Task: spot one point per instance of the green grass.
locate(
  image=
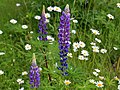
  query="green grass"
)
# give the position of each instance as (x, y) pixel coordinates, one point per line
(91, 15)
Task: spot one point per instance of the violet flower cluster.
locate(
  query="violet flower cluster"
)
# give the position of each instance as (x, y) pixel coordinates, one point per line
(64, 38)
(34, 74)
(42, 26)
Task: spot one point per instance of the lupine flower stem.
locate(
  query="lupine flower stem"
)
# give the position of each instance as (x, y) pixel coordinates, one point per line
(43, 35)
(64, 38)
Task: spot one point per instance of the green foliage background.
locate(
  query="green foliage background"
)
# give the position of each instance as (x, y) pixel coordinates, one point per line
(89, 15)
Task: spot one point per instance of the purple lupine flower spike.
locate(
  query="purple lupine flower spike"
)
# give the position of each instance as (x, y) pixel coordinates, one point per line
(34, 74)
(42, 26)
(64, 38)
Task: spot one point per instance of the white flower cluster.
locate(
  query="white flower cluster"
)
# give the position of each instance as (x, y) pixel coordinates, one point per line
(55, 8)
(97, 83)
(1, 72)
(27, 47)
(118, 5)
(20, 81)
(1, 32)
(110, 16)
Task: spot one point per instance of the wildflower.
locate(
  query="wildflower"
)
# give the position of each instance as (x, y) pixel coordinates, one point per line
(47, 21)
(2, 53)
(73, 31)
(43, 26)
(118, 87)
(51, 39)
(84, 53)
(34, 74)
(21, 88)
(47, 15)
(92, 43)
(20, 81)
(17, 4)
(97, 70)
(13, 21)
(1, 72)
(75, 50)
(67, 82)
(92, 81)
(116, 78)
(50, 8)
(95, 49)
(31, 32)
(85, 58)
(95, 32)
(99, 84)
(24, 26)
(27, 47)
(81, 57)
(110, 16)
(69, 55)
(115, 48)
(95, 73)
(64, 38)
(57, 9)
(101, 77)
(75, 21)
(37, 17)
(119, 81)
(103, 51)
(71, 18)
(118, 5)
(98, 40)
(24, 73)
(81, 44)
(76, 45)
(40, 69)
(1, 32)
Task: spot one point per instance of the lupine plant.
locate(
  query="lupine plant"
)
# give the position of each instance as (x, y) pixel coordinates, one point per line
(34, 74)
(64, 38)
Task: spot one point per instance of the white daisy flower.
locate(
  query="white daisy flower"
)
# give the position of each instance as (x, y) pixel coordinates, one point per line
(51, 39)
(21, 88)
(37, 17)
(1, 32)
(67, 82)
(110, 16)
(69, 55)
(57, 9)
(47, 15)
(98, 40)
(99, 84)
(47, 21)
(97, 70)
(95, 49)
(20, 81)
(118, 5)
(92, 43)
(18, 4)
(118, 87)
(81, 44)
(92, 81)
(84, 53)
(95, 73)
(27, 47)
(13, 21)
(115, 48)
(103, 51)
(24, 26)
(75, 50)
(75, 21)
(1, 72)
(40, 69)
(101, 77)
(73, 31)
(95, 32)
(2, 53)
(24, 73)
(76, 45)
(81, 57)
(31, 32)
(50, 8)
